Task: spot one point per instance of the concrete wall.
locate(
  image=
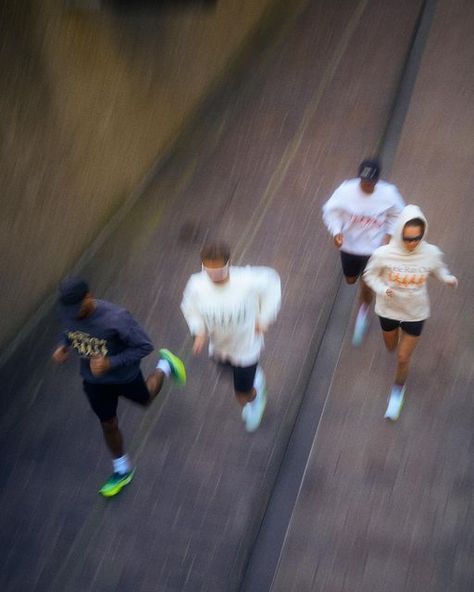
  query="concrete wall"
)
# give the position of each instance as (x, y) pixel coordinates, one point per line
(88, 100)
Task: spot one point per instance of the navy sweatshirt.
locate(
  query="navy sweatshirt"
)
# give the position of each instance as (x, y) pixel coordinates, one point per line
(109, 331)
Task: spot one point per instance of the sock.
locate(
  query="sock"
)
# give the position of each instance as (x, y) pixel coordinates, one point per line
(122, 464)
(164, 366)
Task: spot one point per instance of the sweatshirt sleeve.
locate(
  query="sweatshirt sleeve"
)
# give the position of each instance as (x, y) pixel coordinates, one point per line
(440, 270)
(333, 215)
(190, 311)
(394, 211)
(137, 343)
(269, 294)
(373, 273)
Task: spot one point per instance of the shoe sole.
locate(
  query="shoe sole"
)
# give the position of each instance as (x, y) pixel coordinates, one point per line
(118, 488)
(178, 369)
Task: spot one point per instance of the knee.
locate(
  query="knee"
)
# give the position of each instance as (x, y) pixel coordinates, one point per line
(403, 359)
(110, 426)
(350, 279)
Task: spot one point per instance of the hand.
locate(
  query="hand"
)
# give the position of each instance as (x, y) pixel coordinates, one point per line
(452, 281)
(389, 292)
(386, 239)
(99, 365)
(259, 329)
(338, 239)
(199, 343)
(60, 354)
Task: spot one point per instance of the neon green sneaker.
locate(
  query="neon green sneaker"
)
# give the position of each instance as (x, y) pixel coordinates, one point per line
(115, 483)
(178, 370)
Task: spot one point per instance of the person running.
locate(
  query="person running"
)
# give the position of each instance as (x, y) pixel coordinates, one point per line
(231, 308)
(111, 345)
(360, 216)
(397, 273)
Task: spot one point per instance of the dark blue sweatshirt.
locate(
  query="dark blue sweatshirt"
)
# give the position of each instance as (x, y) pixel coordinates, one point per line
(109, 331)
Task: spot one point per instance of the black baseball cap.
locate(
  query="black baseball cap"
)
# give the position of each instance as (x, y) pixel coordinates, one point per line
(369, 169)
(72, 291)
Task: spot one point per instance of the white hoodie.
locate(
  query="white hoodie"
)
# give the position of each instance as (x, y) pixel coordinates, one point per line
(228, 313)
(363, 218)
(405, 273)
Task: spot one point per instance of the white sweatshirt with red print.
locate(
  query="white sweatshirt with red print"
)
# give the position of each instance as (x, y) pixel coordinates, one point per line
(405, 273)
(363, 218)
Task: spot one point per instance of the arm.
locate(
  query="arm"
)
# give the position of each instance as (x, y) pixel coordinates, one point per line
(442, 272)
(193, 318)
(138, 344)
(61, 353)
(269, 293)
(333, 216)
(393, 213)
(373, 275)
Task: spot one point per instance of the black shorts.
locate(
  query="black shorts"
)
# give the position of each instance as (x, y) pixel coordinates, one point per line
(413, 328)
(244, 377)
(103, 398)
(353, 265)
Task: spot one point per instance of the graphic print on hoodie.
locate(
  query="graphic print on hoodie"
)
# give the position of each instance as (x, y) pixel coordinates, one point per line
(364, 219)
(109, 331)
(405, 273)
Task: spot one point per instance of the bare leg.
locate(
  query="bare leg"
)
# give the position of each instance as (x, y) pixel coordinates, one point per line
(113, 437)
(154, 382)
(391, 339)
(405, 349)
(365, 293)
(244, 398)
(361, 322)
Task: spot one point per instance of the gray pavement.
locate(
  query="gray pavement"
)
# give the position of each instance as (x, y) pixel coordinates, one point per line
(380, 507)
(389, 507)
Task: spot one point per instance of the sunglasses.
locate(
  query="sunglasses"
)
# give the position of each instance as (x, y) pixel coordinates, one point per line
(412, 239)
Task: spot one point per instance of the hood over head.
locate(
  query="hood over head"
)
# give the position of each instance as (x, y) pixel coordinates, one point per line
(409, 212)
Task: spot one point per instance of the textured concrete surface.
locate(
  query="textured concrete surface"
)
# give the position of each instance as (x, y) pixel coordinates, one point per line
(88, 102)
(381, 507)
(389, 507)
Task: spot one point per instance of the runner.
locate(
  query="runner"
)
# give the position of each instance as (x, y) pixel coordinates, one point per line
(111, 345)
(360, 215)
(397, 273)
(232, 307)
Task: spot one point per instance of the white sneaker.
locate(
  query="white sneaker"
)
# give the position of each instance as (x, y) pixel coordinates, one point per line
(259, 386)
(259, 382)
(361, 324)
(254, 409)
(395, 403)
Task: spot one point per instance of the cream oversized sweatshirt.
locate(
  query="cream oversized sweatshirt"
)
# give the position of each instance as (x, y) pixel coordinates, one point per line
(363, 218)
(228, 313)
(405, 273)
